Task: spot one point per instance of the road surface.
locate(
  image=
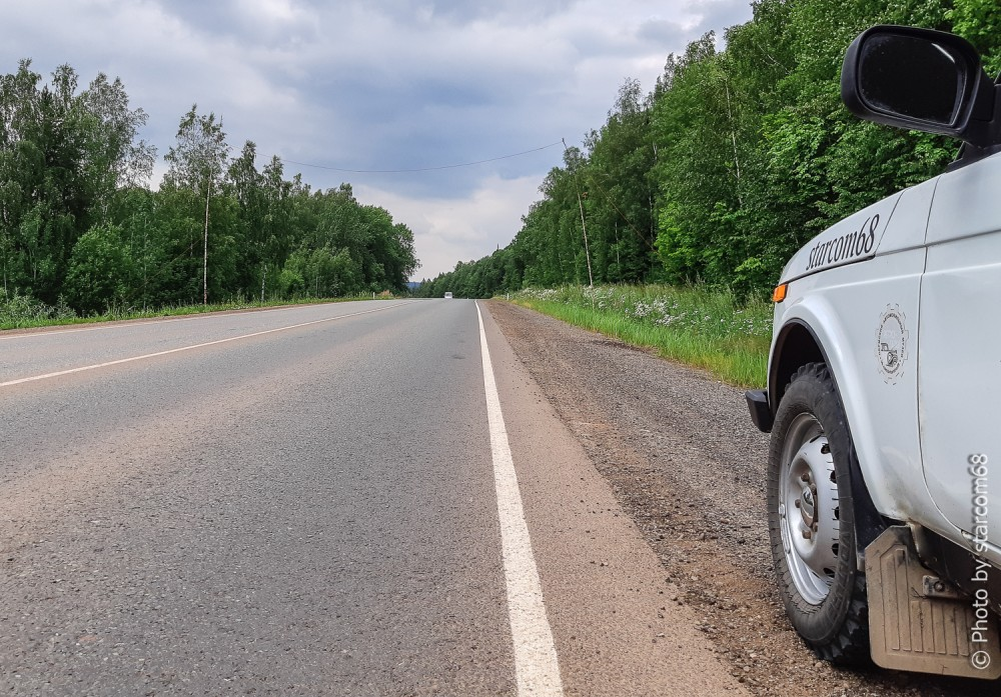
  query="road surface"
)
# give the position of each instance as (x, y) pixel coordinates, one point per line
(319, 501)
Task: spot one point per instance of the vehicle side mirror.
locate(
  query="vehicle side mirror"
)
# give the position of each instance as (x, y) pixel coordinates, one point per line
(922, 80)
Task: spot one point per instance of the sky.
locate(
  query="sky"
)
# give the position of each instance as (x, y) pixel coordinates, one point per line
(343, 91)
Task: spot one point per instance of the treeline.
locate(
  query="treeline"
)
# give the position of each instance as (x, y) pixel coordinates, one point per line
(733, 161)
(81, 229)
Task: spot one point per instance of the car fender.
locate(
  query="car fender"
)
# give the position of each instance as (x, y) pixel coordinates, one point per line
(892, 475)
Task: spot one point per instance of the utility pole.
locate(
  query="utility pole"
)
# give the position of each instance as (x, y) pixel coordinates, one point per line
(583, 225)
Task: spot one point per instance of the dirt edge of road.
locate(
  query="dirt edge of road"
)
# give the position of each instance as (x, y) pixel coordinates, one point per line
(615, 623)
(685, 463)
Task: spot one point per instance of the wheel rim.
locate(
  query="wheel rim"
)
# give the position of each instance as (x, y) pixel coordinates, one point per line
(808, 509)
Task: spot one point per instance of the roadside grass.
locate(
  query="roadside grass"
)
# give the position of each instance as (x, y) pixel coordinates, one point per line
(709, 329)
(24, 312)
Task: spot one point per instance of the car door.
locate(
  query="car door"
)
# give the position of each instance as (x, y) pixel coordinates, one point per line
(959, 373)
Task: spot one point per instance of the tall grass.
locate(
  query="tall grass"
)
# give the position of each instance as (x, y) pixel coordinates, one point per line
(709, 329)
(18, 310)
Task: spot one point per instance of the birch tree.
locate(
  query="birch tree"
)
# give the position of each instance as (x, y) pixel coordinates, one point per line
(197, 162)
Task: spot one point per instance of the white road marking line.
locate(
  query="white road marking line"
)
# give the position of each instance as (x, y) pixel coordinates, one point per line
(536, 664)
(70, 371)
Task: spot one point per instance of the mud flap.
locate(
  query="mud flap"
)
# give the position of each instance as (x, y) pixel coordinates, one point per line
(919, 623)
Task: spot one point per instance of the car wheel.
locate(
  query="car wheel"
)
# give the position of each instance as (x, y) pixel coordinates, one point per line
(811, 519)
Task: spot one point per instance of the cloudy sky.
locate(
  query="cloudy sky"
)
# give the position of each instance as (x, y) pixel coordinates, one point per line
(379, 85)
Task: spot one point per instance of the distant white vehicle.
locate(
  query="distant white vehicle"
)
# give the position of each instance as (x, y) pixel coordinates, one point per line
(448, 295)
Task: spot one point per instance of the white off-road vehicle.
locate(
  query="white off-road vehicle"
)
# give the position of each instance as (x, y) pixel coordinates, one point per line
(884, 386)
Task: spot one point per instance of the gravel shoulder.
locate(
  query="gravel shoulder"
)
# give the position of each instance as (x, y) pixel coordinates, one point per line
(686, 464)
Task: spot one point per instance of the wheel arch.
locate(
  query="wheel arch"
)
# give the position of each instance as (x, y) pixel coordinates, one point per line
(795, 346)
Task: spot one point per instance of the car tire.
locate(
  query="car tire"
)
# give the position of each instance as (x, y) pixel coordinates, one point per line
(811, 519)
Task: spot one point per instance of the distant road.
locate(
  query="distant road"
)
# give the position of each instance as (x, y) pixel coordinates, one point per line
(311, 500)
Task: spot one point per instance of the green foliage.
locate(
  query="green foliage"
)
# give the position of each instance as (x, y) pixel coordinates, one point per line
(979, 21)
(78, 221)
(320, 273)
(17, 310)
(736, 158)
(100, 271)
(198, 161)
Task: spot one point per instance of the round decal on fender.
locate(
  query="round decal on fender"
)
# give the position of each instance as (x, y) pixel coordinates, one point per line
(891, 343)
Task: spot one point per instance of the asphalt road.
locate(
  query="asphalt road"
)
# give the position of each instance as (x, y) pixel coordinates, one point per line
(308, 501)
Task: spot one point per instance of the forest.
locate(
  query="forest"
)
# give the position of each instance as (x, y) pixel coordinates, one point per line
(737, 157)
(81, 231)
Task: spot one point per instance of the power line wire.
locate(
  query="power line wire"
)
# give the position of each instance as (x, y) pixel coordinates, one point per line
(419, 169)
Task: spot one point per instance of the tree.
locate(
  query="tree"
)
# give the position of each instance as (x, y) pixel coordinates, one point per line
(114, 157)
(62, 157)
(101, 274)
(197, 163)
(620, 190)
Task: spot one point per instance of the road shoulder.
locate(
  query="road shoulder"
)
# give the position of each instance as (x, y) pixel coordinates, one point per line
(618, 626)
